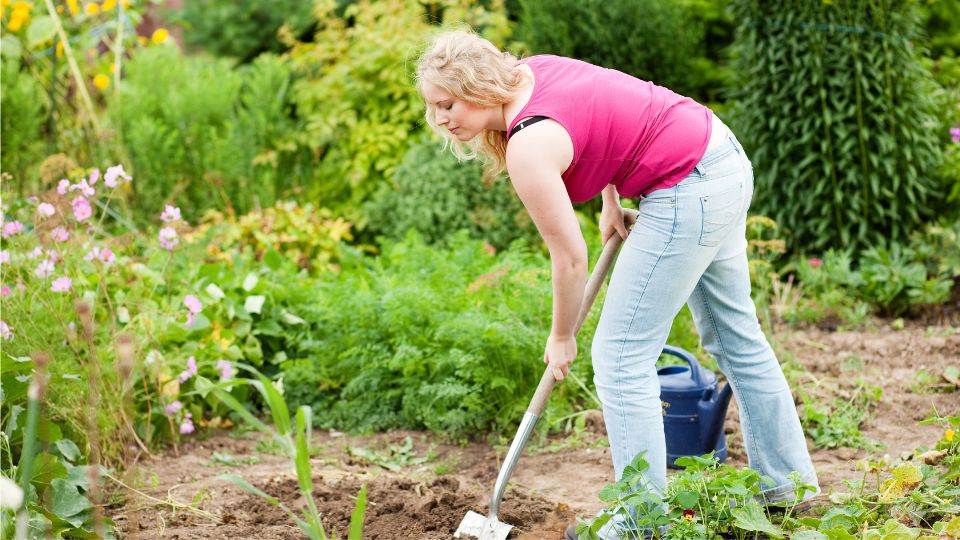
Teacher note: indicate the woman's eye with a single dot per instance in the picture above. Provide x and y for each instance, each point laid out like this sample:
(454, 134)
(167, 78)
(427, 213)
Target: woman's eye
(448, 107)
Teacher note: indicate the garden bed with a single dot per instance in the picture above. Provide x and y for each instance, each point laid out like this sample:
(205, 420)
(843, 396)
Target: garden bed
(428, 499)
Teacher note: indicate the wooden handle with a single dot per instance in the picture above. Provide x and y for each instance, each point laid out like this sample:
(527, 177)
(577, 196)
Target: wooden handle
(600, 270)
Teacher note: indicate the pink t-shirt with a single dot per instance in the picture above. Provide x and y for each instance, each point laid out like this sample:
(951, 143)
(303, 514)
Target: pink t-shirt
(626, 131)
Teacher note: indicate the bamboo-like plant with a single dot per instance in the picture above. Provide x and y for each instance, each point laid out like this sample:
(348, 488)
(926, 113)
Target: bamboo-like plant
(296, 444)
(838, 115)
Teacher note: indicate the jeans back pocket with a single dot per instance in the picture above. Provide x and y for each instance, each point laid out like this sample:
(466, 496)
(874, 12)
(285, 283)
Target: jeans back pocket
(718, 211)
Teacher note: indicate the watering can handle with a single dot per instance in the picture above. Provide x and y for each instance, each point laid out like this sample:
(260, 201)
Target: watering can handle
(696, 370)
(600, 270)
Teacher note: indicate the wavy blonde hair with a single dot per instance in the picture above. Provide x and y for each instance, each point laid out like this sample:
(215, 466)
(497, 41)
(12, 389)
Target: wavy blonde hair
(471, 68)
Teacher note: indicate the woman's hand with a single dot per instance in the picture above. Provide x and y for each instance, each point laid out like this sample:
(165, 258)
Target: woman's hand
(612, 216)
(612, 220)
(559, 354)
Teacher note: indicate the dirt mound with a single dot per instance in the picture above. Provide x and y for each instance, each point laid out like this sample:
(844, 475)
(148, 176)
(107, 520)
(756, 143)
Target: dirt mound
(399, 507)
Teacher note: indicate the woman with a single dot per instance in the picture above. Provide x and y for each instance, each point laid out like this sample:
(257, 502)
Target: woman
(566, 131)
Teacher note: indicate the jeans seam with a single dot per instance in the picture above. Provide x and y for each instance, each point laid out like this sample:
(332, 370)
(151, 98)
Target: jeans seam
(731, 377)
(633, 316)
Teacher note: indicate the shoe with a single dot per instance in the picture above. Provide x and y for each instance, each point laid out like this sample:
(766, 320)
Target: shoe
(799, 508)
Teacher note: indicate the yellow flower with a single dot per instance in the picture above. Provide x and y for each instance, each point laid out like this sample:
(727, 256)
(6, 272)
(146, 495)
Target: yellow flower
(92, 9)
(142, 40)
(59, 49)
(108, 5)
(4, 3)
(59, 9)
(101, 81)
(73, 7)
(159, 35)
(16, 23)
(949, 435)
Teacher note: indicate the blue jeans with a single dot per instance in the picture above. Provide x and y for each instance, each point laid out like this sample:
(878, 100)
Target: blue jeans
(689, 245)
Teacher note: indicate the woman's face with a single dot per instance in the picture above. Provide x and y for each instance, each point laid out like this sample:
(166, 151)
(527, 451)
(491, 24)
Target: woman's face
(465, 120)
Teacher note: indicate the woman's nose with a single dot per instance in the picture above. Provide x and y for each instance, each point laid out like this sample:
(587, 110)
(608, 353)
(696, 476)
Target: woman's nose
(441, 119)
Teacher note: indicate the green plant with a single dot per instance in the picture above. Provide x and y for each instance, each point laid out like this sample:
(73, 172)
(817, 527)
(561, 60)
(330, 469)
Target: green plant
(206, 134)
(854, 162)
(838, 425)
(394, 458)
(434, 194)
(655, 41)
(23, 107)
(241, 30)
(360, 107)
(295, 440)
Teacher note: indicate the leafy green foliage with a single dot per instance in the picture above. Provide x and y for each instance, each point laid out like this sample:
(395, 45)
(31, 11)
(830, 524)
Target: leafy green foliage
(655, 41)
(242, 30)
(356, 97)
(840, 119)
(445, 340)
(22, 102)
(205, 134)
(838, 425)
(436, 195)
(895, 280)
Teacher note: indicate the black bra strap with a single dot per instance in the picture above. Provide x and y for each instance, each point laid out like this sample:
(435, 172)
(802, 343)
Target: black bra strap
(525, 123)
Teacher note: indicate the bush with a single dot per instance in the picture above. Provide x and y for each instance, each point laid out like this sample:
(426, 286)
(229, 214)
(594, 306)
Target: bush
(448, 340)
(436, 195)
(653, 40)
(21, 140)
(242, 29)
(205, 134)
(839, 117)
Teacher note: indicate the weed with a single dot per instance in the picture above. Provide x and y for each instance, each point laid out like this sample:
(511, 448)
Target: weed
(218, 458)
(394, 458)
(838, 425)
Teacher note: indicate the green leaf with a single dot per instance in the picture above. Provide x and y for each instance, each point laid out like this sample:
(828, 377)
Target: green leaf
(687, 499)
(278, 407)
(250, 282)
(253, 304)
(751, 517)
(808, 535)
(273, 259)
(68, 503)
(68, 449)
(10, 47)
(41, 30)
(215, 292)
(356, 517)
(238, 408)
(610, 493)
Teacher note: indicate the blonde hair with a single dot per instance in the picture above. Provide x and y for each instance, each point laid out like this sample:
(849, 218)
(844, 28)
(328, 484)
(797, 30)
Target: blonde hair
(471, 68)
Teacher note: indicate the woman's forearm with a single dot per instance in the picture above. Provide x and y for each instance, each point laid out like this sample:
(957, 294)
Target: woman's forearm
(569, 278)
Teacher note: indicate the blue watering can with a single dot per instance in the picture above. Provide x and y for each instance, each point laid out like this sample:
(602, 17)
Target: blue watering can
(694, 410)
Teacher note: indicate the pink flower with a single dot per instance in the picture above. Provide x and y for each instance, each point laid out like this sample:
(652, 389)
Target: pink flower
(192, 303)
(225, 367)
(97, 254)
(5, 291)
(84, 188)
(170, 213)
(110, 178)
(6, 332)
(12, 228)
(63, 186)
(94, 176)
(955, 134)
(81, 209)
(59, 234)
(46, 210)
(186, 427)
(61, 284)
(814, 262)
(168, 238)
(174, 408)
(53, 255)
(190, 371)
(44, 269)
(35, 252)
(4, 257)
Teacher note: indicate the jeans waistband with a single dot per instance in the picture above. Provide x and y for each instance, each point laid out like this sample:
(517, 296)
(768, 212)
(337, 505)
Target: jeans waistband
(729, 145)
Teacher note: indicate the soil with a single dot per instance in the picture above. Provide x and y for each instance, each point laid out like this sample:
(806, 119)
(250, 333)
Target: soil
(548, 489)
